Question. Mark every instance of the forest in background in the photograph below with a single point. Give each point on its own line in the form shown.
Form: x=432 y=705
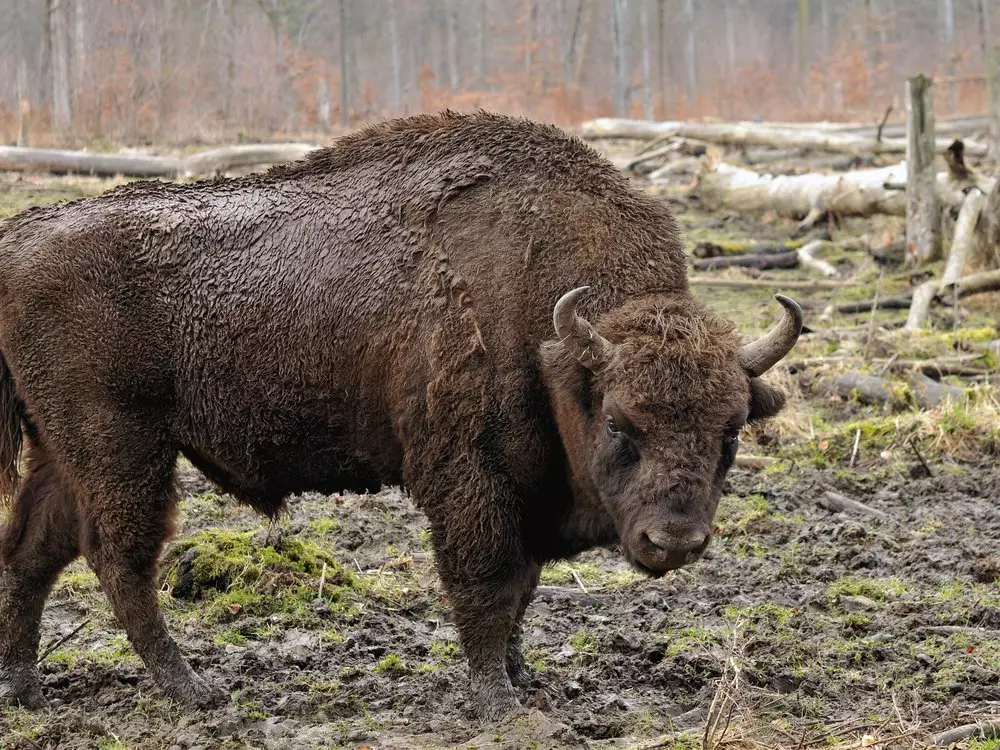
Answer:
x=82 y=72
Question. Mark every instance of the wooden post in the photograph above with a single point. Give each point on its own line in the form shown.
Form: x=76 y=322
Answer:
x=923 y=217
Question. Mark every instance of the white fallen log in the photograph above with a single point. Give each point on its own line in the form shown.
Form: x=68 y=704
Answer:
x=205 y=163
x=859 y=193
x=809 y=259
x=961 y=248
x=758 y=134
x=217 y=160
x=21 y=159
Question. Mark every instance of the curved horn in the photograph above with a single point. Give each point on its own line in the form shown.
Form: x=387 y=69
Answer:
x=761 y=355
x=576 y=334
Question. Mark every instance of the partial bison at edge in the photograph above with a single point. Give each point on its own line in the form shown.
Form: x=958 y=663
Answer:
x=478 y=308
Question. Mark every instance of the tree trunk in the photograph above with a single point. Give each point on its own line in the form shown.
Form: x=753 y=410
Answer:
x=619 y=9
x=992 y=55
x=663 y=55
x=647 y=73
x=569 y=54
x=923 y=216
x=397 y=71
x=451 y=21
x=690 y=53
x=585 y=37
x=730 y=22
x=947 y=42
x=802 y=41
x=345 y=112
x=58 y=32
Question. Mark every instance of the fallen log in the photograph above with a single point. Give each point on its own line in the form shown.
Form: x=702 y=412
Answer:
x=812 y=285
x=871 y=389
x=809 y=197
x=758 y=134
x=882 y=303
x=708 y=249
x=985 y=730
x=205 y=163
x=20 y=159
x=218 y=160
x=761 y=262
x=929 y=392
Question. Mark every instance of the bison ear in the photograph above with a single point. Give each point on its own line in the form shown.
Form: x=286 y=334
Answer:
x=577 y=334
x=765 y=401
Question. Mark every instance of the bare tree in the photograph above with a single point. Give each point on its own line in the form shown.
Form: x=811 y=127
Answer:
x=647 y=74
x=58 y=43
x=689 y=51
x=619 y=11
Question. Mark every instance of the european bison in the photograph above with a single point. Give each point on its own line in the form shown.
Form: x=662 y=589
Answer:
x=379 y=313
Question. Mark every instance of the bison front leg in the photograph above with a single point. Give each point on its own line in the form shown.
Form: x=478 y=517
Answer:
x=486 y=617
x=487 y=578
x=517 y=669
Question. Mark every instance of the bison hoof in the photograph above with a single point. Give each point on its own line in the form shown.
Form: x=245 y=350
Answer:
x=494 y=701
x=188 y=689
x=20 y=687
x=517 y=670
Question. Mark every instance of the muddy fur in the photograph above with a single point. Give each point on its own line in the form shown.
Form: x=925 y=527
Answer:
x=377 y=314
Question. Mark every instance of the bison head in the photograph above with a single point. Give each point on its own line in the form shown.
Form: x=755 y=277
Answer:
x=651 y=411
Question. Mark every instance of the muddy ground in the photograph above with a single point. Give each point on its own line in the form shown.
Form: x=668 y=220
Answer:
x=803 y=626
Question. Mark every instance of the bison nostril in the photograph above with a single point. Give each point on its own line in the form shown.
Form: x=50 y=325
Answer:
x=702 y=545
x=657 y=539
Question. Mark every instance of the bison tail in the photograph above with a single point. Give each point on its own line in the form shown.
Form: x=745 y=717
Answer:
x=11 y=417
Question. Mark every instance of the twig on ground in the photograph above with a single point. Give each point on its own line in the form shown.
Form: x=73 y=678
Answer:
x=838 y=503
x=913 y=447
x=579 y=581
x=322 y=580
x=63 y=640
x=857 y=444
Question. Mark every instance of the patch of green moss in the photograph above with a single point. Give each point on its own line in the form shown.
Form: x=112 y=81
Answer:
x=592 y=574
x=878 y=590
x=392 y=664
x=583 y=642
x=235 y=574
x=743 y=515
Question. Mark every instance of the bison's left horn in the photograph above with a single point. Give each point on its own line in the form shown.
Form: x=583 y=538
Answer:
x=761 y=355
x=576 y=334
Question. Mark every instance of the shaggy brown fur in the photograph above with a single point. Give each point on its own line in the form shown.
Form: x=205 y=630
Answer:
x=379 y=313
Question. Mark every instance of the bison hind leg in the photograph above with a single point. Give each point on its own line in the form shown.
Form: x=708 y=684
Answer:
x=40 y=538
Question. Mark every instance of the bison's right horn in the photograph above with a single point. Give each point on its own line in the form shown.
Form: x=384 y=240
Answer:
x=761 y=355
x=576 y=334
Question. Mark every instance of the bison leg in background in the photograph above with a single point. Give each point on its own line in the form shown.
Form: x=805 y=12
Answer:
x=125 y=467
x=39 y=540
x=517 y=670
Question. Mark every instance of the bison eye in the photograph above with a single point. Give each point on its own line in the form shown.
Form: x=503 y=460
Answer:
x=612 y=427
x=732 y=440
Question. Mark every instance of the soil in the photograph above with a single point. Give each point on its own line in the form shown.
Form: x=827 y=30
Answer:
x=826 y=614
